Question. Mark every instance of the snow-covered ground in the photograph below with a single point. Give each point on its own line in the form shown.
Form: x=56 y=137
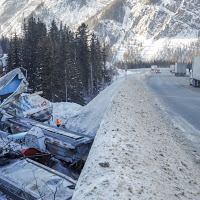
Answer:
x=135 y=154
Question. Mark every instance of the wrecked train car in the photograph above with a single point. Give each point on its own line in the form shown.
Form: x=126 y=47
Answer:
x=12 y=84
x=20 y=112
x=61 y=143
x=40 y=181
x=15 y=101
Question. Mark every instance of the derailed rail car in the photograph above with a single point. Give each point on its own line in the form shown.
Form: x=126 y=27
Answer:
x=15 y=100
x=61 y=143
x=27 y=179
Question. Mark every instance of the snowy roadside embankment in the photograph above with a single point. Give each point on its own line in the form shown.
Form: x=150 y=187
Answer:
x=135 y=155
x=86 y=119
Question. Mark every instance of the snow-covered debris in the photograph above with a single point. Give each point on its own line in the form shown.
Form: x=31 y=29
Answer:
x=3 y=196
x=135 y=155
x=12 y=84
x=15 y=101
x=35 y=139
x=26 y=179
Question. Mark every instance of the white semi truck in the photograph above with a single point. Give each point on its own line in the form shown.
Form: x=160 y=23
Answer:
x=154 y=67
x=172 y=68
x=180 y=69
x=195 y=72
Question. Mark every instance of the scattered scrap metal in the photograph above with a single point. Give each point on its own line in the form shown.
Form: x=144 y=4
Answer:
x=22 y=117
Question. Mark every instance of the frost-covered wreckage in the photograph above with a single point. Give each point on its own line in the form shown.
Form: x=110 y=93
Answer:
x=15 y=101
x=27 y=179
x=22 y=120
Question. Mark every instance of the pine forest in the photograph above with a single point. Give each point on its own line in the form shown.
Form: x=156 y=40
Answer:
x=64 y=65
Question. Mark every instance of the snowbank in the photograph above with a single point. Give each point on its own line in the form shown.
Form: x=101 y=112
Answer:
x=86 y=119
x=64 y=111
x=135 y=155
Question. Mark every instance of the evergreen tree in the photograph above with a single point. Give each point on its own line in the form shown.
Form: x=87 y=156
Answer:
x=71 y=60
x=41 y=34
x=30 y=53
x=4 y=43
x=96 y=62
x=64 y=67
x=14 y=54
x=56 y=74
x=106 y=78
x=83 y=56
x=10 y=57
x=54 y=33
x=62 y=63
x=98 y=68
x=46 y=55
x=41 y=30
x=75 y=76
x=92 y=64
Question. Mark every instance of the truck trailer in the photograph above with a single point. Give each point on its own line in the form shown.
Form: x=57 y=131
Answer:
x=172 y=68
x=195 y=72
x=180 y=69
x=154 y=67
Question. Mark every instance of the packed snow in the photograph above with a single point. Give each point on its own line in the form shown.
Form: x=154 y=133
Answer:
x=135 y=154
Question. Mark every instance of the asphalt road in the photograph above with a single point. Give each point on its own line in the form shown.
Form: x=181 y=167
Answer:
x=176 y=93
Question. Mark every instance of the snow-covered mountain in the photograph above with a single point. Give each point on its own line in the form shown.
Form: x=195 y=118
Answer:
x=131 y=27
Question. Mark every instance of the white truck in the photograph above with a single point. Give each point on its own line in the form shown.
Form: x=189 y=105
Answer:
x=172 y=68
x=180 y=69
x=195 y=72
x=154 y=67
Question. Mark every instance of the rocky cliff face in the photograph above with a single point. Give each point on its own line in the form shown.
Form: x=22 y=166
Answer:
x=142 y=28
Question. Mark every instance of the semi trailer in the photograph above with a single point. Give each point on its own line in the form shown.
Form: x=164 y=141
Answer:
x=154 y=67
x=172 y=68
x=180 y=69
x=195 y=72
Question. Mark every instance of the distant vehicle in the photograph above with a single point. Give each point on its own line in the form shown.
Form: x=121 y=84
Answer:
x=195 y=72
x=157 y=71
x=172 y=68
x=180 y=69
x=154 y=67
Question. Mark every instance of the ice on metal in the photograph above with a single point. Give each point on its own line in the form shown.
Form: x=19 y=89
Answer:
x=35 y=139
x=27 y=180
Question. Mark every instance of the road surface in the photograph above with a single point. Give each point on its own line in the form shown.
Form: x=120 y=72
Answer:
x=181 y=100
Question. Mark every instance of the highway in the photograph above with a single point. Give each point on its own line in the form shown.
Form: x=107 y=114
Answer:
x=178 y=95
x=181 y=102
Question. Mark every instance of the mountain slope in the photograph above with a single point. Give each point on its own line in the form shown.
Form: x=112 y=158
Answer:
x=142 y=28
